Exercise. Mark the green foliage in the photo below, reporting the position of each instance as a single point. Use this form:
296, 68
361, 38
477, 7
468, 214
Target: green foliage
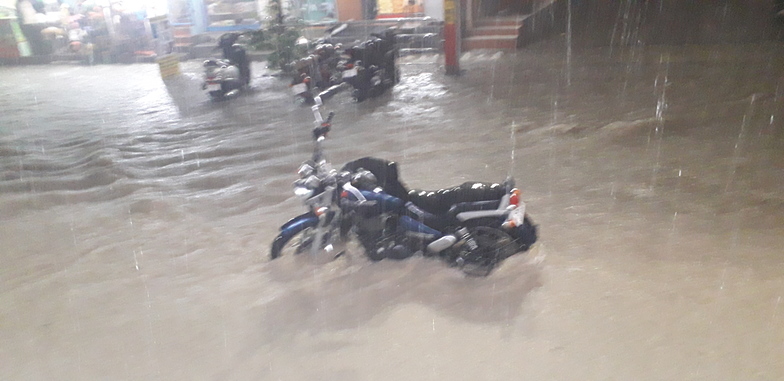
280, 39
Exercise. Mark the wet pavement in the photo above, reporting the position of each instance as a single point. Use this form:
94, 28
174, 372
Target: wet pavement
136, 217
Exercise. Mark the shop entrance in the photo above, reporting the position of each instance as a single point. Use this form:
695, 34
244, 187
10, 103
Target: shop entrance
494, 8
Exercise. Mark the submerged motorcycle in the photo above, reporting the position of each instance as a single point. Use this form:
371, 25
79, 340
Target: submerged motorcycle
473, 226
317, 187
371, 66
227, 76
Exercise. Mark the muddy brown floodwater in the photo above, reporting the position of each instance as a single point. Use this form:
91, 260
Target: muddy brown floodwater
136, 218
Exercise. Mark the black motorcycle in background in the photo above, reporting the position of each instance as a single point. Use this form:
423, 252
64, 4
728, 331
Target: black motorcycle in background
228, 75
371, 66
316, 72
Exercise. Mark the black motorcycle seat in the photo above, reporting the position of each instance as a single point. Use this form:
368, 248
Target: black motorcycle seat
440, 201
216, 62
437, 202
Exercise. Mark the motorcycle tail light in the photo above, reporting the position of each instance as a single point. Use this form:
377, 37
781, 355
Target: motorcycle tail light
514, 198
350, 66
344, 194
320, 211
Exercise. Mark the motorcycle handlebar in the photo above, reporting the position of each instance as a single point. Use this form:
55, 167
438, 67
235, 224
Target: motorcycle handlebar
321, 131
324, 128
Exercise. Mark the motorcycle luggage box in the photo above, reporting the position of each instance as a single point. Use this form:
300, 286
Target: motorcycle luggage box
385, 172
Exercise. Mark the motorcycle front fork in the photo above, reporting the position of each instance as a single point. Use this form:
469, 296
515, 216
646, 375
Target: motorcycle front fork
327, 233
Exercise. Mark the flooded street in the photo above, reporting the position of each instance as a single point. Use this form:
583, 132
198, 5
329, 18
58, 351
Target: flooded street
136, 217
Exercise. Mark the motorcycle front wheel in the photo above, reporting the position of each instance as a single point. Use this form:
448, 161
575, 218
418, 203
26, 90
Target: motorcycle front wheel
298, 243
360, 95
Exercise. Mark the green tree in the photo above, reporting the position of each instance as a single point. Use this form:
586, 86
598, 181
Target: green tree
280, 39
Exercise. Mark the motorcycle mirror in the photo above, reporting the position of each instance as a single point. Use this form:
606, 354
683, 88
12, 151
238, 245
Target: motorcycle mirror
321, 131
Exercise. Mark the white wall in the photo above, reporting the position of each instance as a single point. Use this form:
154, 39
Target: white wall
8, 4
434, 8
261, 8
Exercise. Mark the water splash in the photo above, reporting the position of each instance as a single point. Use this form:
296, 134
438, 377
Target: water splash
660, 87
737, 151
569, 43
513, 140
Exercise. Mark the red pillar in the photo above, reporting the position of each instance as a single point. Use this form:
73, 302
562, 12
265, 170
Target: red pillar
452, 36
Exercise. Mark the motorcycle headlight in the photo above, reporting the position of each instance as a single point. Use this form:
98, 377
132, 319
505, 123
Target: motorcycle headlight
303, 193
305, 170
312, 182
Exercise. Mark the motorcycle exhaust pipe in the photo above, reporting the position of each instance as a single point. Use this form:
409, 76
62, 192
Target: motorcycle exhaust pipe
441, 244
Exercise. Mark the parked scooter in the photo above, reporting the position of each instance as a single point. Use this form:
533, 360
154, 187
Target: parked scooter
226, 77
473, 226
371, 67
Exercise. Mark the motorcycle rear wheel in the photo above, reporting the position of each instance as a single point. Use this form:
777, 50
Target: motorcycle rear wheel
359, 95
494, 246
524, 236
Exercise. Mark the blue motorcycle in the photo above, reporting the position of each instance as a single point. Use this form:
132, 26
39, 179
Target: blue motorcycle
317, 187
473, 226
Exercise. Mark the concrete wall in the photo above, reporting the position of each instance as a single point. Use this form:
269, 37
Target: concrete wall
548, 17
349, 10
434, 9
655, 22
599, 22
